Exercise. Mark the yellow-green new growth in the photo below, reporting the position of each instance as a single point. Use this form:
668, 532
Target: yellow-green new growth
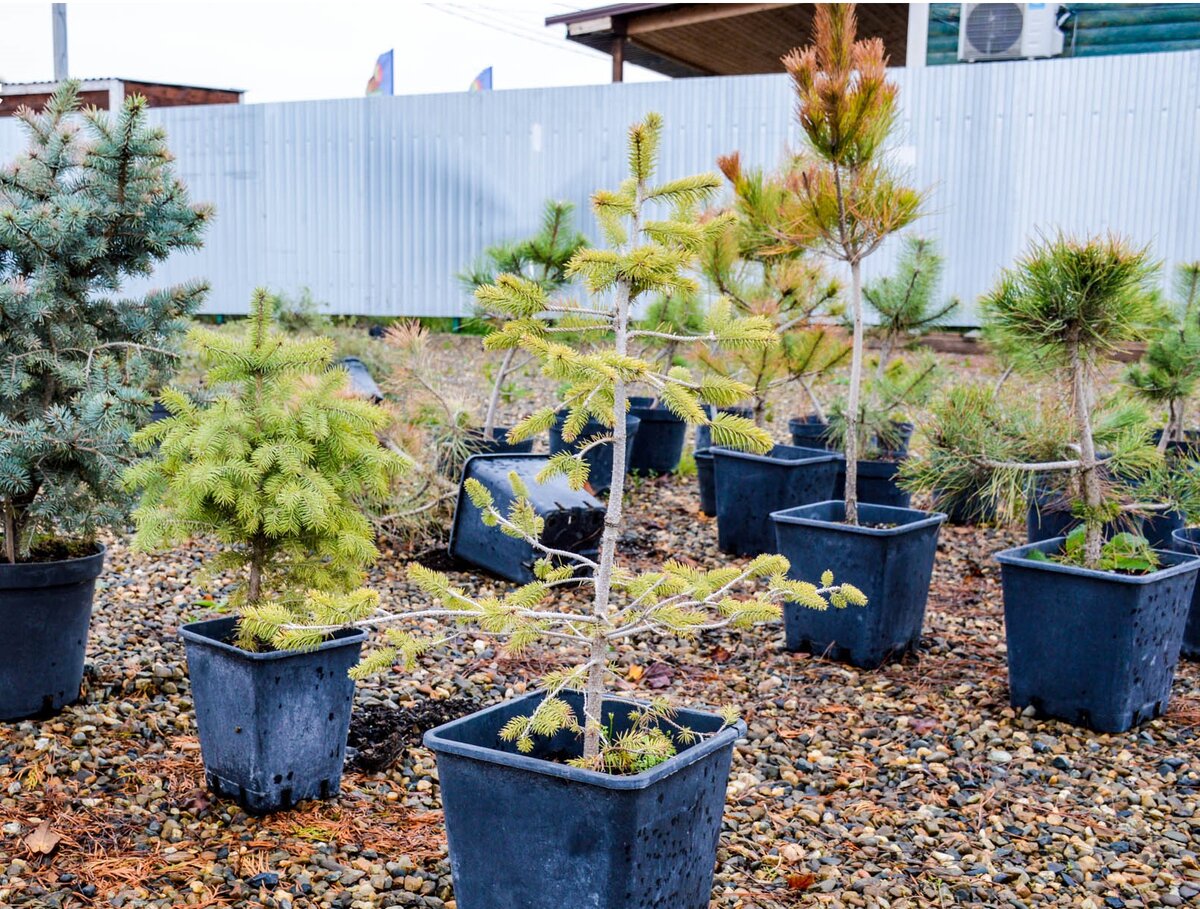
275, 469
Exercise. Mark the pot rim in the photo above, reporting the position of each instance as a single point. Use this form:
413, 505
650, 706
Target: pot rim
436, 741
60, 572
789, 516
193, 634
1188, 537
1183, 563
818, 455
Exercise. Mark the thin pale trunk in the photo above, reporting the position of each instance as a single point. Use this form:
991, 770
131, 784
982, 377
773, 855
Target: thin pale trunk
594, 689
885, 355
1089, 479
489, 420
852, 401
813, 400
1008, 371
10, 533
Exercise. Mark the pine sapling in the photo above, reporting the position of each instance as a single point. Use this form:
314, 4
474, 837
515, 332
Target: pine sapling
648, 256
93, 202
846, 202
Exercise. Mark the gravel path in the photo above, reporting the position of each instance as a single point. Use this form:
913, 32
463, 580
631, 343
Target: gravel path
912, 786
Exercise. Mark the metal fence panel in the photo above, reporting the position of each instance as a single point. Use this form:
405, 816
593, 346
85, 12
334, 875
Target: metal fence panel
375, 204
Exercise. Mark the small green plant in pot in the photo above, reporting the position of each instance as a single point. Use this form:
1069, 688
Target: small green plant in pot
1169, 373
93, 202
544, 259
570, 793
844, 204
1093, 620
274, 470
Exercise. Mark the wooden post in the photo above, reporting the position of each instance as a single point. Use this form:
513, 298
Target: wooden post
618, 58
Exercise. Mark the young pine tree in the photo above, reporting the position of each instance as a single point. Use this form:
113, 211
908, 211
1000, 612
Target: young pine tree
847, 202
1169, 373
94, 201
647, 255
1069, 303
275, 469
544, 259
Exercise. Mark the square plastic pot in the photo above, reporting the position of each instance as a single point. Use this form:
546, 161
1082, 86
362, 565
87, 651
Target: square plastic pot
1188, 448
658, 445
600, 458
706, 481
812, 432
751, 486
46, 609
531, 832
704, 434
498, 443
1187, 541
876, 484
272, 724
573, 519
1094, 648
1049, 516
891, 564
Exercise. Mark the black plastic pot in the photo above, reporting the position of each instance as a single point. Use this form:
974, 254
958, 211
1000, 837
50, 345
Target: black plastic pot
1050, 516
531, 832
968, 508
46, 608
1187, 541
573, 519
891, 564
1158, 529
158, 411
660, 438
1094, 648
876, 484
751, 486
704, 434
272, 724
1188, 448
600, 458
811, 432
498, 443
362, 383
707, 481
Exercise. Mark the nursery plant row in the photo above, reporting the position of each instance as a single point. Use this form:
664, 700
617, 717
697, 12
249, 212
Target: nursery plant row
710, 293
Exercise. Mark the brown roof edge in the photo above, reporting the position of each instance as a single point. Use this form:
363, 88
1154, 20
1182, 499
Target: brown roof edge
599, 12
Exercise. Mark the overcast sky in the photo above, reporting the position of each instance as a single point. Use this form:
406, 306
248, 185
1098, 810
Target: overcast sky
298, 51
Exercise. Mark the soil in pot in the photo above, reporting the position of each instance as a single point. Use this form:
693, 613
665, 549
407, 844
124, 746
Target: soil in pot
1187, 541
1097, 649
751, 486
660, 438
600, 458
573, 518
47, 608
531, 832
272, 724
889, 556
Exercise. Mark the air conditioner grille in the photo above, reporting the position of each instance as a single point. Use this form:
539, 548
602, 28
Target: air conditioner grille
993, 28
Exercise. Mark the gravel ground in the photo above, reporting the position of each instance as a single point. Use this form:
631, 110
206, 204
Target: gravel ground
915, 785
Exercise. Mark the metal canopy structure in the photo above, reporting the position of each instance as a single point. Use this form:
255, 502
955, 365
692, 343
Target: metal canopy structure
717, 39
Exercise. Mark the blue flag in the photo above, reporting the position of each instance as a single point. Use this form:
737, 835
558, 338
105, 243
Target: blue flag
380, 82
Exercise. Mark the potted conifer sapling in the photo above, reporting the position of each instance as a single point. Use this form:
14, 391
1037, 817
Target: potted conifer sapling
274, 469
94, 201
570, 796
1093, 621
846, 202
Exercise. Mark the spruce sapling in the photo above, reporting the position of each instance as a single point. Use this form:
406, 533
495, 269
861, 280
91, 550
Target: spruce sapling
646, 256
93, 202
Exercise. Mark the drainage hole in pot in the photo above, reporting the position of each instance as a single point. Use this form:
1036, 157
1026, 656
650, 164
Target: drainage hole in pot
331, 716
278, 778
324, 789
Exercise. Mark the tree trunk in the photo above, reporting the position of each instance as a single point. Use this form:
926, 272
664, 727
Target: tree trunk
11, 533
852, 401
1089, 480
813, 400
489, 420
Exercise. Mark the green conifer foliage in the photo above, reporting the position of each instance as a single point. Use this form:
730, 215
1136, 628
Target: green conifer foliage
649, 256
1169, 373
92, 202
274, 468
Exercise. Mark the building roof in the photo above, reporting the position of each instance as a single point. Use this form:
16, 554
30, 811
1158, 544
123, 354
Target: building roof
44, 85
720, 39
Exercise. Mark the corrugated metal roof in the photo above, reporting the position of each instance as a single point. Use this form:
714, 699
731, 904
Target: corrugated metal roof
375, 204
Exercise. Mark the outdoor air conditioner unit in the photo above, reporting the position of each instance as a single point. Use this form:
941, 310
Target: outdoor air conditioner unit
1008, 31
